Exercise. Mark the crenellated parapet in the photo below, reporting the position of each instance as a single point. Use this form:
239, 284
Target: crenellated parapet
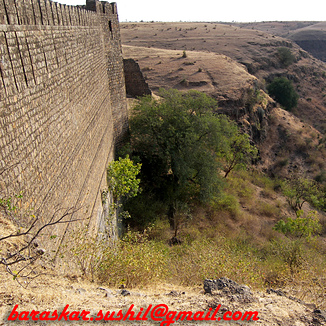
43, 12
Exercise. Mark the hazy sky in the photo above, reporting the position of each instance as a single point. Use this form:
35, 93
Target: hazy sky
216, 10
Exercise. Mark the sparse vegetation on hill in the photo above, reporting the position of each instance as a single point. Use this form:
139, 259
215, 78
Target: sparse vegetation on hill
234, 236
243, 43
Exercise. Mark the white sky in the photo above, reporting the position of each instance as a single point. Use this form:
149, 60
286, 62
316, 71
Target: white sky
217, 10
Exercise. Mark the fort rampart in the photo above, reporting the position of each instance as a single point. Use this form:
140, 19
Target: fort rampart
62, 104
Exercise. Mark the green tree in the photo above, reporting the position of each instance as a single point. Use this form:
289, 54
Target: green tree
179, 140
297, 230
121, 178
284, 93
300, 190
122, 184
239, 151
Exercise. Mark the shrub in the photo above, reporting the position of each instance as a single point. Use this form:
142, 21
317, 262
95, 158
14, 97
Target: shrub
267, 209
321, 176
284, 93
239, 185
300, 227
121, 177
290, 252
227, 202
300, 190
285, 56
85, 252
136, 261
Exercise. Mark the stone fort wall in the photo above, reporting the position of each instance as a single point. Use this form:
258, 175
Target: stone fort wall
62, 105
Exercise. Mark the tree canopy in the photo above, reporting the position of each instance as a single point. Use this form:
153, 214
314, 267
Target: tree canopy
183, 146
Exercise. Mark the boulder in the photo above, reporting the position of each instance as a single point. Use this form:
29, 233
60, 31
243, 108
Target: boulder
226, 287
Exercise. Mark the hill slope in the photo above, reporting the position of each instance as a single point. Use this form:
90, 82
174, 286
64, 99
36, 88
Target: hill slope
230, 63
255, 49
311, 36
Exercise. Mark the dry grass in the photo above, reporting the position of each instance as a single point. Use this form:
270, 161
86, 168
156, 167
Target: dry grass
235, 242
54, 292
8, 228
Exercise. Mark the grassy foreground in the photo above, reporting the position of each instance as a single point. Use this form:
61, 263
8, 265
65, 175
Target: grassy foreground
233, 237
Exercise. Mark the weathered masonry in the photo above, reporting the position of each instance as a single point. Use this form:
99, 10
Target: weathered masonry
62, 104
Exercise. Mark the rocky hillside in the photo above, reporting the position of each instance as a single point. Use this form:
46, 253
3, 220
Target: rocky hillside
257, 50
234, 64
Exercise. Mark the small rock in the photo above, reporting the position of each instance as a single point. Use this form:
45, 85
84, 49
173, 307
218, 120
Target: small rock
40, 252
124, 292
174, 241
296, 299
310, 305
104, 289
215, 304
278, 292
81, 291
107, 292
321, 314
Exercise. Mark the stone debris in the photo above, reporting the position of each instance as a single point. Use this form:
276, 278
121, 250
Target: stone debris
107, 293
226, 287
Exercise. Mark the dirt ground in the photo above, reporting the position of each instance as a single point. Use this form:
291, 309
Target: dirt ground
52, 292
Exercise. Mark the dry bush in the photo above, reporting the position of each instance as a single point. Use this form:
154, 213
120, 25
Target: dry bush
20, 252
251, 223
268, 209
136, 261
